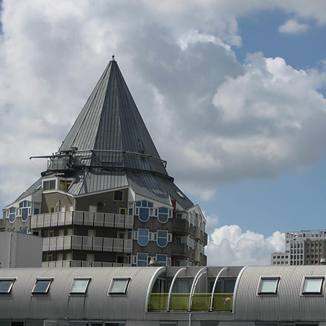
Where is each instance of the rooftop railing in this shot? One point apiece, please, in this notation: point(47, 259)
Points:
point(56, 219)
point(222, 302)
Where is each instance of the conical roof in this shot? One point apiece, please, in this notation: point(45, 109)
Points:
point(112, 129)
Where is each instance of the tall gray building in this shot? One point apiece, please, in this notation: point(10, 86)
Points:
point(302, 248)
point(106, 198)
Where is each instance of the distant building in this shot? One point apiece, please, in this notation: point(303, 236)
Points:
point(280, 258)
point(106, 198)
point(20, 250)
point(302, 248)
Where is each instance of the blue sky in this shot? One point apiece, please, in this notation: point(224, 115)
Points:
point(233, 93)
point(295, 199)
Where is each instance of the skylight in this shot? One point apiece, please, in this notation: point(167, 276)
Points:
point(6, 285)
point(80, 286)
point(42, 286)
point(268, 285)
point(119, 286)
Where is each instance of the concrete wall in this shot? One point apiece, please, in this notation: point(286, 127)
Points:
point(20, 250)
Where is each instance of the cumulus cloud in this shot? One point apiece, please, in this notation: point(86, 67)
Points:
point(230, 245)
point(292, 26)
point(213, 118)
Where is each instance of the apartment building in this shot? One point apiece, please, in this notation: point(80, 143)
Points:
point(106, 198)
point(307, 247)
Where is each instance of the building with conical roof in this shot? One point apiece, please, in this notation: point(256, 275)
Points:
point(106, 198)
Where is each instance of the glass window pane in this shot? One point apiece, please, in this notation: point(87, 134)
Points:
point(143, 237)
point(80, 286)
point(313, 285)
point(162, 238)
point(119, 286)
point(42, 286)
point(268, 285)
point(142, 259)
point(5, 286)
point(161, 259)
point(143, 214)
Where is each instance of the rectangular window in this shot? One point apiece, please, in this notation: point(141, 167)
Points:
point(142, 259)
point(42, 286)
point(123, 211)
point(118, 195)
point(6, 285)
point(313, 285)
point(49, 184)
point(268, 285)
point(119, 286)
point(80, 286)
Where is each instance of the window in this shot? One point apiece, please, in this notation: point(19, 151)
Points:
point(143, 237)
point(313, 285)
point(118, 195)
point(49, 185)
point(268, 285)
point(6, 285)
point(12, 214)
point(162, 238)
point(119, 286)
point(142, 259)
point(143, 214)
point(144, 209)
point(123, 211)
point(80, 286)
point(163, 214)
point(161, 260)
point(42, 286)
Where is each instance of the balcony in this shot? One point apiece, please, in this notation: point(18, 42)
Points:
point(80, 263)
point(180, 226)
point(201, 302)
point(76, 242)
point(47, 220)
point(179, 249)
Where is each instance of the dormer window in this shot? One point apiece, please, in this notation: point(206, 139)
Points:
point(49, 185)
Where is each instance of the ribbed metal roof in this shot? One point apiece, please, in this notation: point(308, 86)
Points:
point(33, 188)
point(157, 188)
point(111, 126)
point(91, 182)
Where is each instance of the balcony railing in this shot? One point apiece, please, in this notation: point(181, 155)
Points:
point(222, 302)
point(46, 220)
point(80, 263)
point(77, 242)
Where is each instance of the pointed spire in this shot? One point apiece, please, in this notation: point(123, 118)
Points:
point(111, 127)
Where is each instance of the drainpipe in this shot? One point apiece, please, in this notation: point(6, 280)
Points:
point(189, 319)
point(9, 251)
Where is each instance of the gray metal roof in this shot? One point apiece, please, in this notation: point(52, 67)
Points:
point(91, 182)
point(288, 304)
point(157, 188)
point(59, 304)
point(33, 188)
point(111, 126)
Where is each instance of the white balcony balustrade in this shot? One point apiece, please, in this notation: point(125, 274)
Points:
point(58, 219)
point(76, 242)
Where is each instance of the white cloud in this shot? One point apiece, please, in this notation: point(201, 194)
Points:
point(211, 117)
point(292, 26)
point(230, 245)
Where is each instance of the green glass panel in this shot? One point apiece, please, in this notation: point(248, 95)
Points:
point(179, 301)
point(158, 302)
point(201, 302)
point(222, 302)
